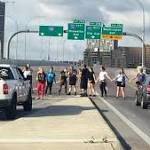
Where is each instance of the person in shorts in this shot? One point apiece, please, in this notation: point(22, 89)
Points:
point(72, 81)
point(91, 82)
point(63, 81)
point(120, 80)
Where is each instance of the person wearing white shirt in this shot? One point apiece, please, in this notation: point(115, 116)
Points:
point(27, 73)
point(121, 82)
point(103, 75)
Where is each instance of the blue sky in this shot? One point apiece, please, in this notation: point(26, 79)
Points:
point(32, 13)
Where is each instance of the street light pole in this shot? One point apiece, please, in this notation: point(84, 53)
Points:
point(27, 27)
point(17, 28)
point(143, 33)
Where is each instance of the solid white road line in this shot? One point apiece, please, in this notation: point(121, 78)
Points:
point(144, 136)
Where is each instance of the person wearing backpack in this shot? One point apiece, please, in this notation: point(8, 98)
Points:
point(41, 80)
point(140, 78)
point(120, 80)
point(50, 78)
point(63, 81)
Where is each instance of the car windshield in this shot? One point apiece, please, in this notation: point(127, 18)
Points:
point(6, 74)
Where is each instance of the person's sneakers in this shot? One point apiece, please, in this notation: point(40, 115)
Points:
point(58, 92)
point(75, 93)
point(37, 98)
point(81, 95)
point(69, 93)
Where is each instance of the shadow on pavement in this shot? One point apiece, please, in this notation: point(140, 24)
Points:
point(59, 110)
point(49, 111)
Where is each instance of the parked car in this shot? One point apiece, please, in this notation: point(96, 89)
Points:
point(14, 90)
point(143, 94)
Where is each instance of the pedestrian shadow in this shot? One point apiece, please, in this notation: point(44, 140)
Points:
point(59, 110)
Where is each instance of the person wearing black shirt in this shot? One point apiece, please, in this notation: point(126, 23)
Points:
point(72, 81)
point(84, 81)
point(63, 81)
point(91, 82)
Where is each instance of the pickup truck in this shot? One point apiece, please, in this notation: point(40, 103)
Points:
point(14, 90)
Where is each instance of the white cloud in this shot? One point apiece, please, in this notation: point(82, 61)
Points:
point(60, 12)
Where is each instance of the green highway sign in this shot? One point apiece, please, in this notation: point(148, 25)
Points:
point(76, 31)
point(93, 32)
point(113, 33)
point(79, 21)
point(51, 30)
point(117, 25)
point(95, 23)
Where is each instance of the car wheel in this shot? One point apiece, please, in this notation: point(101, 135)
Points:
point(143, 104)
point(137, 103)
point(10, 111)
point(28, 103)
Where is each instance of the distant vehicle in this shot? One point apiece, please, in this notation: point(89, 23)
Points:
point(143, 94)
point(14, 90)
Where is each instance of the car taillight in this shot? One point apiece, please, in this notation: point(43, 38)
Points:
point(5, 89)
point(148, 89)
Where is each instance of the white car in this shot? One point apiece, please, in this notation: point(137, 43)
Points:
point(14, 90)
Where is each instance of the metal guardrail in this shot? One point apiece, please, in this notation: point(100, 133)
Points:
point(36, 62)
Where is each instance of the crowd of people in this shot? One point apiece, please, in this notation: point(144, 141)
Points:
point(84, 76)
point(68, 79)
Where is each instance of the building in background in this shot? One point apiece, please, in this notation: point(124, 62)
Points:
point(147, 56)
point(2, 22)
point(98, 51)
point(110, 54)
point(127, 57)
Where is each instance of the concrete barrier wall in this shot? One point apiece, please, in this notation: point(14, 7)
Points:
point(35, 62)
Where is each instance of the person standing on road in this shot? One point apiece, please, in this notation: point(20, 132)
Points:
point(72, 81)
point(63, 81)
point(30, 75)
point(91, 82)
point(84, 81)
point(102, 79)
point(140, 77)
point(41, 80)
point(27, 74)
point(120, 80)
point(50, 78)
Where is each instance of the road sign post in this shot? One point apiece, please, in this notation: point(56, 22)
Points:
point(76, 31)
point(51, 30)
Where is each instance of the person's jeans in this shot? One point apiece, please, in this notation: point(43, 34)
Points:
point(103, 88)
point(49, 86)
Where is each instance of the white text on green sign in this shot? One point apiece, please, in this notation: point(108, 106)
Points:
point(112, 31)
point(51, 30)
point(93, 32)
point(76, 31)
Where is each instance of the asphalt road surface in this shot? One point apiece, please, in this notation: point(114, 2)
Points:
point(131, 123)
